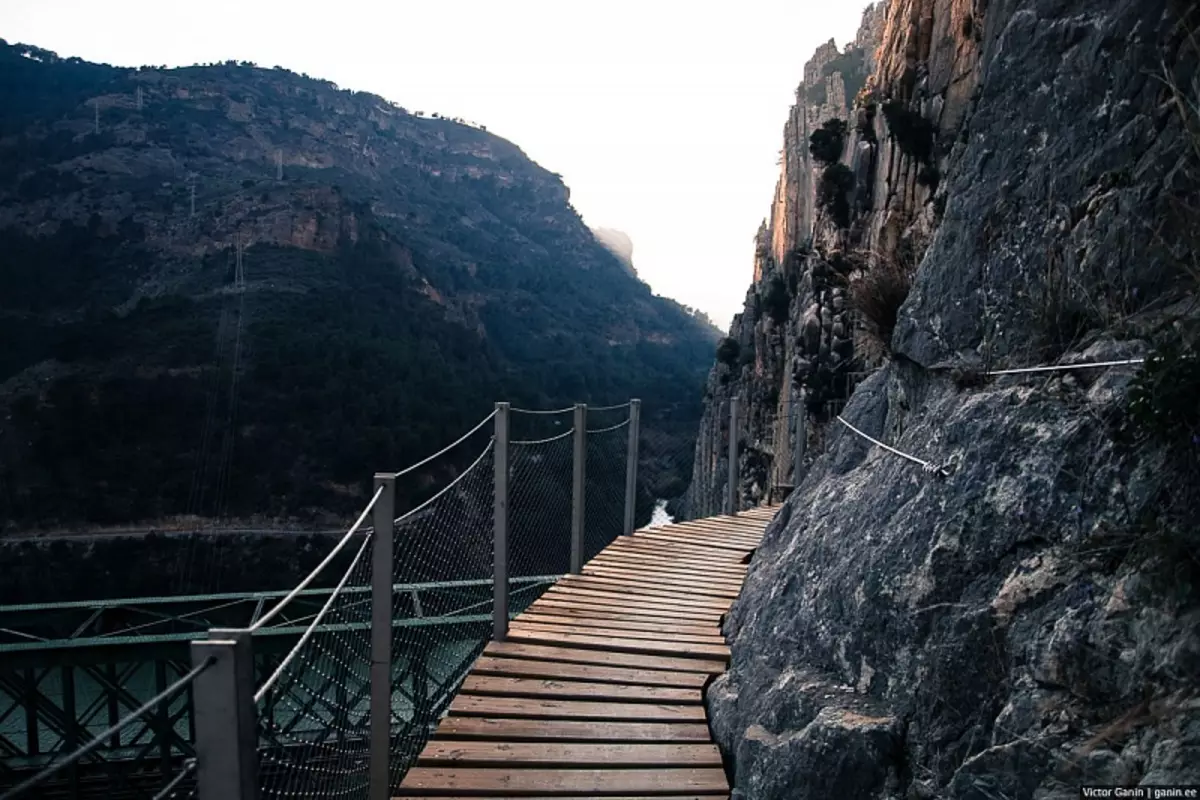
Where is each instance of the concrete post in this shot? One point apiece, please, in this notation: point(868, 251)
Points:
point(733, 455)
point(578, 495)
point(631, 462)
point(225, 717)
point(500, 518)
point(381, 637)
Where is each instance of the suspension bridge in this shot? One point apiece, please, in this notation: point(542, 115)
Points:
point(519, 632)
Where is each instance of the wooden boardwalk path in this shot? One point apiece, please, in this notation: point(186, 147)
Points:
point(598, 691)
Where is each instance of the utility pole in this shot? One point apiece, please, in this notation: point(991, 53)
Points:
point(239, 274)
point(192, 186)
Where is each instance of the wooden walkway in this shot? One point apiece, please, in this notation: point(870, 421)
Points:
point(598, 691)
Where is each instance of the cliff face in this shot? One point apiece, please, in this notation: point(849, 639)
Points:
point(209, 275)
point(1029, 622)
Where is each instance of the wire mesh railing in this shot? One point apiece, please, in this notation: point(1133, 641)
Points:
point(444, 547)
point(604, 509)
point(332, 688)
point(313, 709)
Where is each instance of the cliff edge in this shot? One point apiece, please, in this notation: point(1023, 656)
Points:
point(1012, 186)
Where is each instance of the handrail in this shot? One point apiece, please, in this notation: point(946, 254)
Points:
point(448, 447)
point(562, 435)
point(446, 488)
point(265, 618)
point(269, 682)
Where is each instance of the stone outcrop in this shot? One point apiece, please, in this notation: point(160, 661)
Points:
point(1028, 623)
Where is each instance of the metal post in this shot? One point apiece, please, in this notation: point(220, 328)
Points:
point(631, 462)
point(733, 455)
point(224, 711)
point(578, 497)
point(381, 636)
point(500, 546)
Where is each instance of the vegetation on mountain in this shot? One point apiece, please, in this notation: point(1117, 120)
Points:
point(398, 274)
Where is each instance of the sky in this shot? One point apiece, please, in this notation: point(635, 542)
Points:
point(665, 118)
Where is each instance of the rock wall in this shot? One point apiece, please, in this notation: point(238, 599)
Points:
point(809, 311)
point(1028, 623)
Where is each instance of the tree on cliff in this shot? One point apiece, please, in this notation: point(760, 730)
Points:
point(827, 142)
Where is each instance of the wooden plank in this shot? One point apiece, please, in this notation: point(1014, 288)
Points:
point(733, 571)
point(576, 690)
point(733, 574)
point(623, 645)
point(639, 603)
point(556, 670)
point(624, 625)
point(711, 605)
point(662, 577)
point(713, 543)
point(647, 586)
point(633, 599)
point(607, 609)
point(580, 656)
point(748, 530)
point(707, 538)
point(470, 705)
point(652, 581)
point(750, 527)
point(553, 628)
point(682, 548)
point(589, 782)
point(681, 554)
point(445, 753)
point(515, 730)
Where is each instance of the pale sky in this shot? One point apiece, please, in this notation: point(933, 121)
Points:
point(665, 119)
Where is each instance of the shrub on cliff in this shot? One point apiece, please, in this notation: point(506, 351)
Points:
point(728, 351)
point(877, 295)
point(836, 183)
point(912, 132)
point(826, 142)
point(778, 300)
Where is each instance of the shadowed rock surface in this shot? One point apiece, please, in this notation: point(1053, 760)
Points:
point(1029, 623)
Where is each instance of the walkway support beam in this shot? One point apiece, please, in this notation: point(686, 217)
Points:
point(500, 518)
point(578, 495)
point(734, 402)
point(381, 636)
point(225, 717)
point(631, 462)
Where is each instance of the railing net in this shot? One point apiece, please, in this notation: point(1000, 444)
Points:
point(442, 553)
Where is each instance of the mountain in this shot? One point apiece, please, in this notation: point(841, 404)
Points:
point(619, 243)
point(232, 291)
point(972, 187)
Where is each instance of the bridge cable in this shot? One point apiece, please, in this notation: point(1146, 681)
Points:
point(447, 448)
point(929, 467)
point(267, 617)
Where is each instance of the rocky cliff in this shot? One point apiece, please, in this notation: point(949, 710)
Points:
point(229, 291)
point(1023, 617)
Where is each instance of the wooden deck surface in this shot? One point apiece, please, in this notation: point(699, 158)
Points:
point(598, 690)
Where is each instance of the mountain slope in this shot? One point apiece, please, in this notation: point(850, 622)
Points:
point(228, 290)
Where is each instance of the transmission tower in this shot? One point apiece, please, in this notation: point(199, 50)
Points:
point(96, 107)
point(139, 98)
point(278, 165)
